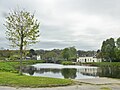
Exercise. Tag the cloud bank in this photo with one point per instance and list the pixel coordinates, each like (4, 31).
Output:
(64, 23)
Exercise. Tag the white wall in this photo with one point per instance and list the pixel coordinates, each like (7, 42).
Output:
(39, 57)
(88, 59)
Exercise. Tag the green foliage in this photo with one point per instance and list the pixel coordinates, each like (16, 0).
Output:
(118, 43)
(82, 53)
(110, 50)
(73, 53)
(50, 55)
(12, 66)
(117, 53)
(107, 49)
(22, 30)
(8, 66)
(12, 79)
(65, 53)
(69, 53)
(68, 63)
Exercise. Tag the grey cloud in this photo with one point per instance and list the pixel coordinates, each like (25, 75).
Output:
(50, 45)
(108, 7)
(81, 23)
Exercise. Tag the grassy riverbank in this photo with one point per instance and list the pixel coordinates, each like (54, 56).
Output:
(11, 66)
(12, 79)
(102, 64)
(9, 77)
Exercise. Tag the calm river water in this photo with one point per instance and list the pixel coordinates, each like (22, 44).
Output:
(71, 71)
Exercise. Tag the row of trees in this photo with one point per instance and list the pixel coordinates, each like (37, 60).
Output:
(55, 54)
(110, 50)
(69, 53)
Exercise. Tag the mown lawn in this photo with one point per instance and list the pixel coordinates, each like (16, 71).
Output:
(12, 79)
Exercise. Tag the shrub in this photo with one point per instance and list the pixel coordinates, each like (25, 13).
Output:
(68, 63)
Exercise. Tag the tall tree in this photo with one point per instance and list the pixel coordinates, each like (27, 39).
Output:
(65, 53)
(108, 49)
(117, 49)
(22, 30)
(50, 55)
(73, 53)
(118, 43)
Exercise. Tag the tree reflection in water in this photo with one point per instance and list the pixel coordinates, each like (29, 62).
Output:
(69, 73)
(112, 72)
(29, 69)
(66, 73)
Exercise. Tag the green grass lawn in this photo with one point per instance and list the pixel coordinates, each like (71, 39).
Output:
(11, 66)
(12, 79)
(8, 66)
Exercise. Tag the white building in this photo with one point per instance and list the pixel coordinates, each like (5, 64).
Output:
(38, 57)
(88, 59)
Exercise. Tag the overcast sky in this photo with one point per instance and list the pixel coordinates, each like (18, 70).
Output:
(64, 23)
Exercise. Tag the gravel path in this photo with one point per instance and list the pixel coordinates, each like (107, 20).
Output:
(100, 81)
(75, 87)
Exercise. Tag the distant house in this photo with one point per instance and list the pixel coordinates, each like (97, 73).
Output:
(88, 59)
(38, 57)
(34, 57)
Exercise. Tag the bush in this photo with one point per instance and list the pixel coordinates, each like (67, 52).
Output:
(68, 63)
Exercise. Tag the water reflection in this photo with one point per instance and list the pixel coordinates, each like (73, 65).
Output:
(74, 73)
(69, 73)
(111, 72)
(29, 69)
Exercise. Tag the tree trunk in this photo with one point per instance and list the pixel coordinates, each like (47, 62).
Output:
(20, 71)
(21, 52)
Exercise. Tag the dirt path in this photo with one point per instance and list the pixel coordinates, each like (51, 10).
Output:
(99, 81)
(75, 87)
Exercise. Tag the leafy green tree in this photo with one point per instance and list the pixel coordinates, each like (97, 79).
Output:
(69, 53)
(118, 43)
(117, 49)
(117, 53)
(66, 54)
(22, 30)
(73, 53)
(50, 56)
(108, 50)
